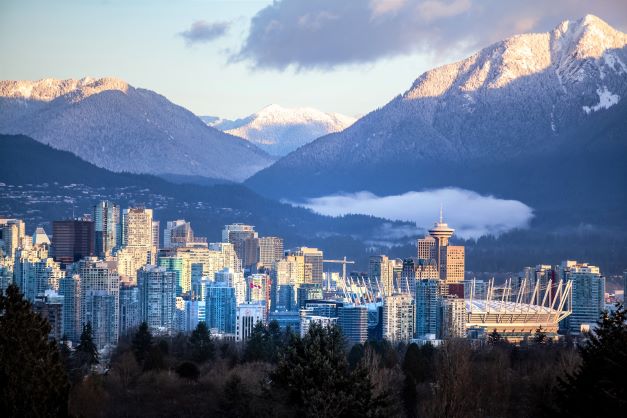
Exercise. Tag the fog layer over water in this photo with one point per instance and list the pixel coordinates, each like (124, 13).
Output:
(471, 214)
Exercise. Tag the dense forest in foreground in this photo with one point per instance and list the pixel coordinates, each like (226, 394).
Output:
(279, 374)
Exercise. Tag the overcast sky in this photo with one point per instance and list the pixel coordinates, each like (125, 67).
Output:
(230, 58)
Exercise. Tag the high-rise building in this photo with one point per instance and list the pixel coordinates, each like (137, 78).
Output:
(220, 308)
(50, 307)
(137, 227)
(449, 259)
(156, 225)
(258, 290)
(34, 272)
(40, 237)
(157, 298)
(453, 317)
(70, 289)
(312, 259)
(307, 318)
(426, 248)
(181, 267)
(179, 233)
(103, 308)
(106, 224)
(289, 271)
(100, 292)
(270, 250)
(399, 318)
(6, 272)
(234, 279)
(211, 258)
(130, 260)
(387, 273)
(190, 315)
(308, 292)
(353, 320)
(588, 292)
(72, 240)
(12, 234)
(415, 269)
(237, 234)
(427, 307)
(247, 315)
(129, 307)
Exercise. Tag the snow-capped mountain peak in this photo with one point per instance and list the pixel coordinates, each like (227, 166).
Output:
(279, 130)
(524, 98)
(116, 126)
(48, 89)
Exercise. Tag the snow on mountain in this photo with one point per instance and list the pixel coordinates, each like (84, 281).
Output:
(279, 131)
(113, 125)
(530, 97)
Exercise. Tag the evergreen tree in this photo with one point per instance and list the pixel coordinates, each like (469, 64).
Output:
(201, 345)
(540, 337)
(495, 338)
(33, 381)
(314, 378)
(258, 346)
(86, 354)
(188, 370)
(275, 340)
(600, 382)
(155, 359)
(355, 356)
(236, 399)
(142, 341)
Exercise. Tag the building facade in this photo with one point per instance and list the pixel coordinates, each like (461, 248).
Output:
(399, 318)
(157, 298)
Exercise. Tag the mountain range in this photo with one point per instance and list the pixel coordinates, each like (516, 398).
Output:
(64, 186)
(116, 126)
(538, 117)
(279, 130)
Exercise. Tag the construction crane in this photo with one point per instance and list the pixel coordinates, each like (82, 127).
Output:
(343, 262)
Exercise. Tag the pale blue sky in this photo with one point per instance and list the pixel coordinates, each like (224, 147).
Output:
(140, 42)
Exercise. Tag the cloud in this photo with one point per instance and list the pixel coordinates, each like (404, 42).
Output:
(471, 214)
(323, 34)
(202, 31)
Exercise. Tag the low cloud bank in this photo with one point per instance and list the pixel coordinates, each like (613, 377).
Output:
(471, 214)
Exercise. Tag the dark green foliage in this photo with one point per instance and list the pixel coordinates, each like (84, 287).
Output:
(600, 383)
(86, 354)
(164, 346)
(155, 359)
(419, 362)
(355, 356)
(388, 353)
(188, 370)
(314, 378)
(495, 338)
(418, 367)
(540, 337)
(259, 346)
(33, 381)
(236, 399)
(142, 341)
(201, 345)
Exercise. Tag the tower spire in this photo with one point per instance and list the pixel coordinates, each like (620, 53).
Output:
(441, 216)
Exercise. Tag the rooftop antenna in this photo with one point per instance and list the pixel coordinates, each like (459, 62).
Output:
(441, 216)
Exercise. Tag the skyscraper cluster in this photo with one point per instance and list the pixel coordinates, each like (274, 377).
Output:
(115, 268)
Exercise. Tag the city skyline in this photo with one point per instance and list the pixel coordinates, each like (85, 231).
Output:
(313, 208)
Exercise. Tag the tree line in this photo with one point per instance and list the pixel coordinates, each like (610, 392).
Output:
(279, 374)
